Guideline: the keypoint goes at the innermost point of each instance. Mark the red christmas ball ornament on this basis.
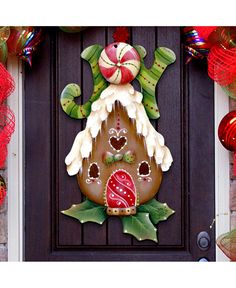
(227, 133)
(205, 31)
(222, 65)
(2, 190)
(223, 36)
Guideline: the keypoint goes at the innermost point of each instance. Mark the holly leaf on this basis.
(87, 211)
(139, 226)
(158, 211)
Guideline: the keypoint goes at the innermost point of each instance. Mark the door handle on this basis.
(203, 241)
(203, 260)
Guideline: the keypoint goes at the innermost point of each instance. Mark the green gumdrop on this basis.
(129, 157)
(118, 157)
(108, 158)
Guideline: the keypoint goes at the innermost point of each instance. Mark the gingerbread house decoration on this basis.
(119, 157)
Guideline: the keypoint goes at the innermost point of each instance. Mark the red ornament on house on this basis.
(222, 65)
(227, 133)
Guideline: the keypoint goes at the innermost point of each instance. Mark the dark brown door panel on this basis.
(185, 99)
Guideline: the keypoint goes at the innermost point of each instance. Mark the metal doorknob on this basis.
(203, 260)
(203, 241)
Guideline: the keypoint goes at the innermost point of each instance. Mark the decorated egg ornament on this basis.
(120, 193)
(119, 63)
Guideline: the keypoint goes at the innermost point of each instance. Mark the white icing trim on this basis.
(132, 101)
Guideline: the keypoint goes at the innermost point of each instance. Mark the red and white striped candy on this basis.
(119, 63)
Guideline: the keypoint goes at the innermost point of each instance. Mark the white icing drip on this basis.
(132, 101)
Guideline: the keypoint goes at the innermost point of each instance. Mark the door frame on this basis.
(16, 169)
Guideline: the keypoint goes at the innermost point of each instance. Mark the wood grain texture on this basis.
(185, 99)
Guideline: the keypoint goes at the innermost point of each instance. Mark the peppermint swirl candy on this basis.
(119, 63)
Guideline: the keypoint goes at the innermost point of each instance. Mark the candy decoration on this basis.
(23, 41)
(7, 84)
(2, 190)
(195, 46)
(227, 133)
(128, 157)
(120, 191)
(90, 54)
(222, 65)
(148, 78)
(119, 63)
(227, 243)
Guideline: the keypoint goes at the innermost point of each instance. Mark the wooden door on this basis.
(185, 99)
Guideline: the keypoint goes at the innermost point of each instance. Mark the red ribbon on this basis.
(7, 118)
